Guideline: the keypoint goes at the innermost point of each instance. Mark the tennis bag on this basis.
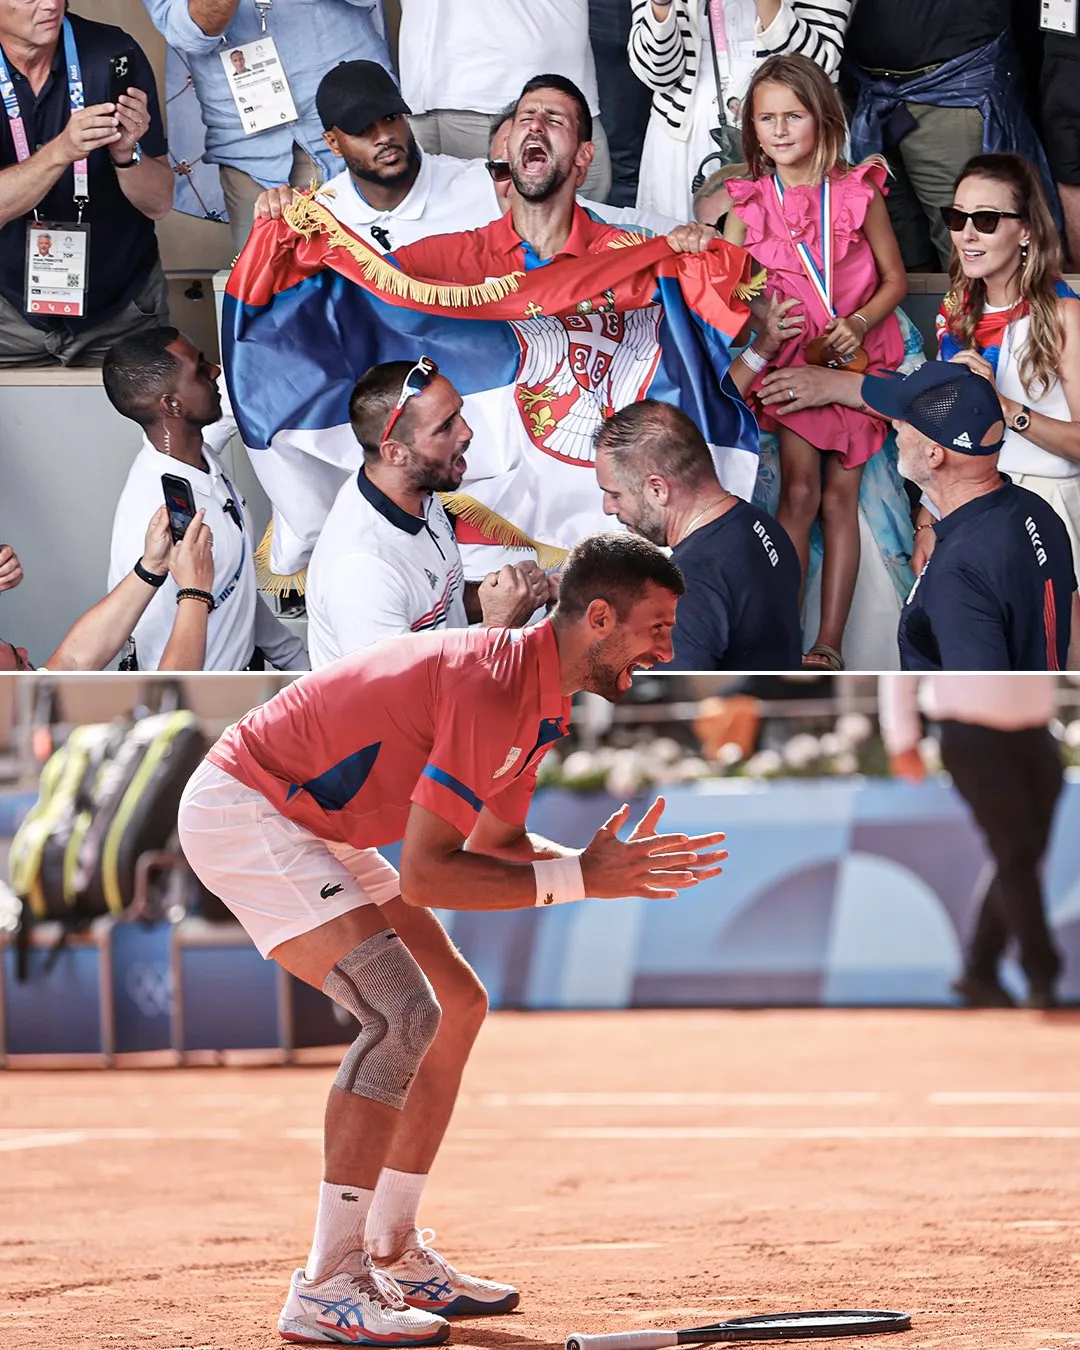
(108, 794)
(136, 798)
(43, 851)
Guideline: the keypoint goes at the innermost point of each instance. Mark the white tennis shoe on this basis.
(358, 1306)
(428, 1281)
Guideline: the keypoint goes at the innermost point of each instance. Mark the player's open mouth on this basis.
(533, 155)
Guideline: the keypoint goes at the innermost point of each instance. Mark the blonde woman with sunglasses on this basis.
(1010, 317)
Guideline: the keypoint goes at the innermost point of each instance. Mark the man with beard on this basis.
(435, 740)
(389, 193)
(999, 591)
(386, 561)
(741, 607)
(548, 149)
(161, 380)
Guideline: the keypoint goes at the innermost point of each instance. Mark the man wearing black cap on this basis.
(275, 138)
(999, 592)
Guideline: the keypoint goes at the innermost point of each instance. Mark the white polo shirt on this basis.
(378, 572)
(241, 619)
(449, 195)
(476, 57)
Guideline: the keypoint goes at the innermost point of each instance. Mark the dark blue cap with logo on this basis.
(946, 401)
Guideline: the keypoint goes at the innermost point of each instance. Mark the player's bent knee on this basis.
(380, 983)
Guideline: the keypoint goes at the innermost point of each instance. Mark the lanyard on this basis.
(264, 7)
(75, 94)
(820, 277)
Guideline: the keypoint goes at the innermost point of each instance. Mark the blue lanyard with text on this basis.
(75, 95)
(820, 277)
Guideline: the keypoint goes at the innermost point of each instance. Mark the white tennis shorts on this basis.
(278, 878)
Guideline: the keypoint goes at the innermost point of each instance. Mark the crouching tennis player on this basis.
(433, 739)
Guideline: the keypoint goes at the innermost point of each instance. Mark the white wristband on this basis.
(754, 360)
(559, 880)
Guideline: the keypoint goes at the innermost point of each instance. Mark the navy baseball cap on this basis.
(956, 408)
(354, 94)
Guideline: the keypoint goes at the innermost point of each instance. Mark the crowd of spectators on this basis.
(544, 130)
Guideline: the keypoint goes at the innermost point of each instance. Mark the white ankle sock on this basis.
(339, 1227)
(393, 1213)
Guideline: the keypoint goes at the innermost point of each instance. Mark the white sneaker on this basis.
(427, 1280)
(358, 1306)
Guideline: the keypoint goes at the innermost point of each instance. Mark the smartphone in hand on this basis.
(181, 504)
(121, 69)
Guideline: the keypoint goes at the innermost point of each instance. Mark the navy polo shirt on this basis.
(123, 245)
(997, 591)
(741, 607)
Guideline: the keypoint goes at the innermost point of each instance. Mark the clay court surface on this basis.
(626, 1170)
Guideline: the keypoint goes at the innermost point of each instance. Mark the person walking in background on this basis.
(1005, 763)
(821, 228)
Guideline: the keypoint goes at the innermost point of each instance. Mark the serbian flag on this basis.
(540, 359)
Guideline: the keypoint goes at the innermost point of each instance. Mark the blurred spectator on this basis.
(386, 561)
(712, 202)
(1010, 317)
(461, 62)
(389, 192)
(692, 53)
(624, 99)
(999, 592)
(741, 607)
(1005, 763)
(160, 380)
(82, 179)
(97, 637)
(936, 84)
(261, 123)
(1060, 106)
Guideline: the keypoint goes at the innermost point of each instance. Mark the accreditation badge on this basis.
(57, 258)
(258, 85)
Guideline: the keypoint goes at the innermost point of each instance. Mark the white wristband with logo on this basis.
(559, 880)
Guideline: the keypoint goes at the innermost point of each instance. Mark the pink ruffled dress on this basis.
(854, 436)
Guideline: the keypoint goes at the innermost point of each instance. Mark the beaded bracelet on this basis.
(190, 593)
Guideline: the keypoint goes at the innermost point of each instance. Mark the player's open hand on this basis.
(655, 866)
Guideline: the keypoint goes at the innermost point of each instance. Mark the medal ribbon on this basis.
(820, 277)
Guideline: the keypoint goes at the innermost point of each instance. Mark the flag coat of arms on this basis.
(539, 358)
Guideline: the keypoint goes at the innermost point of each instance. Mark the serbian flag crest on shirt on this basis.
(539, 358)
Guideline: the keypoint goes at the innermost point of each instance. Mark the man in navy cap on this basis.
(999, 592)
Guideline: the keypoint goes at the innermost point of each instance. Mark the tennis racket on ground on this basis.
(796, 1326)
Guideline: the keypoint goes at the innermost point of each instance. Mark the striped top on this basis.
(665, 56)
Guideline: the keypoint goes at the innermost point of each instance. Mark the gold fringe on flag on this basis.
(271, 583)
(307, 217)
(753, 288)
(499, 529)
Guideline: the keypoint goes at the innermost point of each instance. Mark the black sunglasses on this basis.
(985, 222)
(499, 170)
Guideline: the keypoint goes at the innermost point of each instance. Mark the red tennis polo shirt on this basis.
(453, 721)
(494, 250)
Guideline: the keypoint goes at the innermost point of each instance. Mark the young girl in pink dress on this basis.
(821, 229)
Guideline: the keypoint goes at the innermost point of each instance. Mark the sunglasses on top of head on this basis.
(415, 382)
(985, 222)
